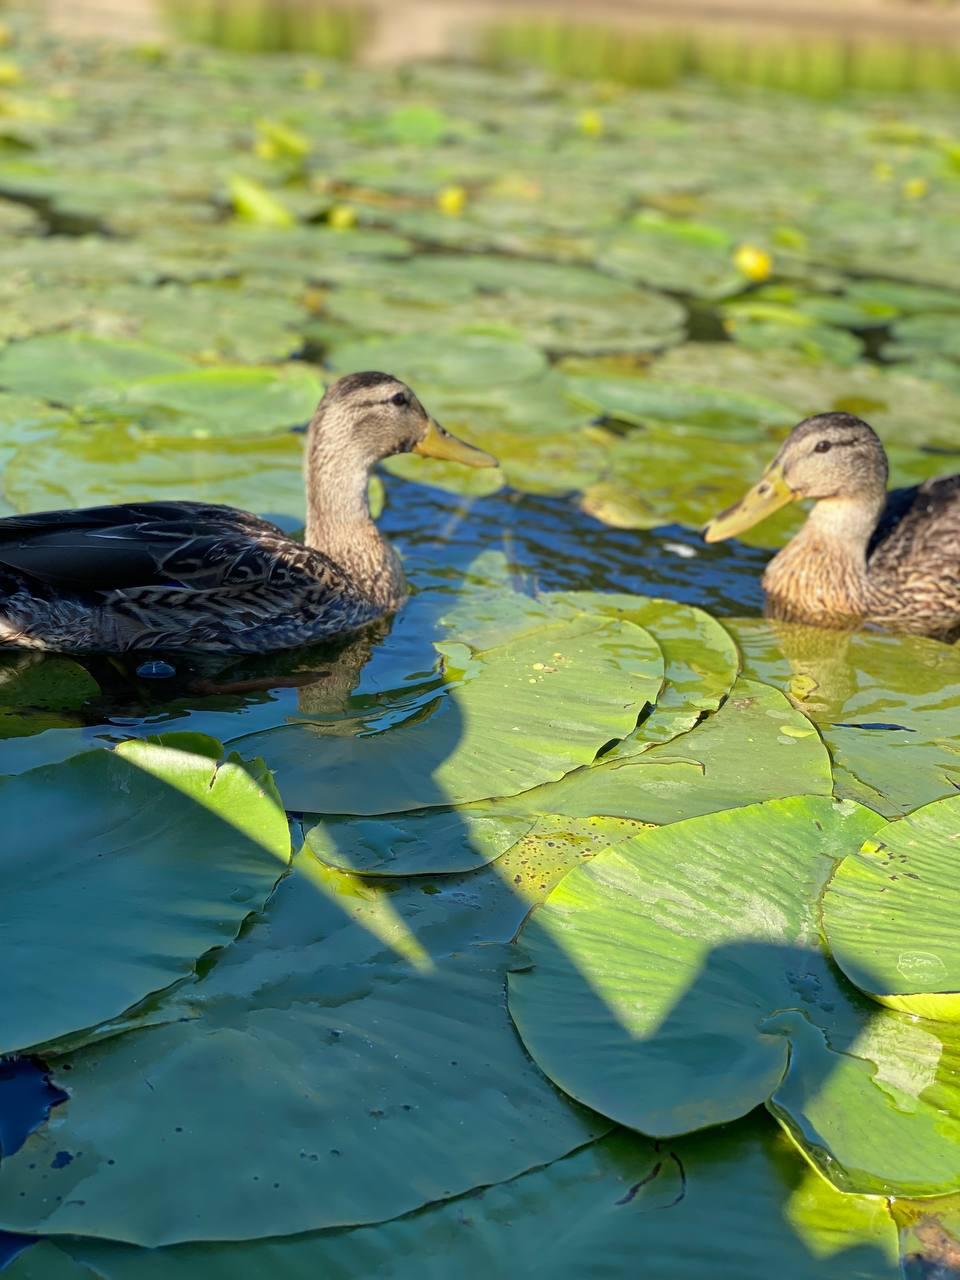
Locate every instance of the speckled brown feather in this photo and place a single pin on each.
(910, 580)
(192, 575)
(204, 577)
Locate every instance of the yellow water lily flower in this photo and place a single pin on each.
(753, 262)
(452, 201)
(342, 217)
(591, 123)
(915, 188)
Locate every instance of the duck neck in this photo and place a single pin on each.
(824, 568)
(339, 522)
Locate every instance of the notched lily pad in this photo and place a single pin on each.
(509, 717)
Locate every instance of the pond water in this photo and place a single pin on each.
(628, 297)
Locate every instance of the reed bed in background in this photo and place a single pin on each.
(822, 66)
(271, 26)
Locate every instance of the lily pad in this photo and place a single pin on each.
(65, 368)
(756, 747)
(348, 1107)
(730, 415)
(662, 253)
(113, 462)
(223, 401)
(678, 980)
(701, 662)
(736, 1202)
(903, 408)
(873, 697)
(417, 843)
(657, 477)
(888, 913)
(205, 322)
(456, 360)
(508, 718)
(146, 858)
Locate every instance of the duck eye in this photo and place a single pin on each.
(399, 399)
(822, 446)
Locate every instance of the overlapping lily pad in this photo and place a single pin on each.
(503, 720)
(755, 747)
(227, 401)
(146, 858)
(349, 1103)
(110, 462)
(735, 1202)
(678, 980)
(65, 368)
(458, 360)
(889, 911)
(701, 662)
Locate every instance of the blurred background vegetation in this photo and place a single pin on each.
(795, 45)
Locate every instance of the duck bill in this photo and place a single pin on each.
(438, 443)
(767, 496)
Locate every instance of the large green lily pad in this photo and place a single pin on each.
(644, 402)
(110, 462)
(348, 1082)
(701, 662)
(145, 858)
(672, 255)
(678, 980)
(736, 1203)
(224, 401)
(510, 717)
(890, 909)
(66, 367)
(756, 747)
(417, 843)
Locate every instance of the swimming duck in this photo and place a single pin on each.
(863, 555)
(193, 575)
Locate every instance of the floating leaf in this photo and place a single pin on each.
(68, 367)
(348, 1106)
(701, 662)
(755, 747)
(455, 360)
(121, 463)
(737, 1195)
(678, 980)
(888, 913)
(417, 843)
(146, 858)
(225, 401)
(509, 717)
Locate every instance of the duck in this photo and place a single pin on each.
(865, 555)
(206, 578)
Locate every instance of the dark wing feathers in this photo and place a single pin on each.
(911, 515)
(148, 544)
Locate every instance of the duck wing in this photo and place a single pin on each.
(919, 525)
(101, 550)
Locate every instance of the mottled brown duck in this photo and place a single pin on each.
(195, 576)
(864, 555)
